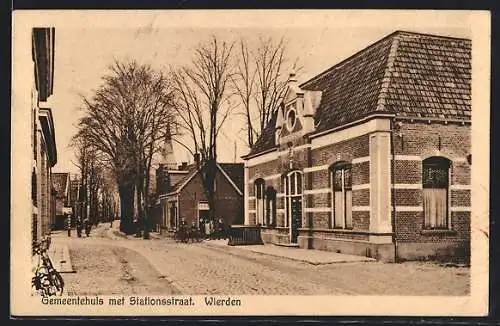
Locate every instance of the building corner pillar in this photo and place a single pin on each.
(380, 191)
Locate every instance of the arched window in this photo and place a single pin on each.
(341, 186)
(270, 206)
(259, 201)
(435, 184)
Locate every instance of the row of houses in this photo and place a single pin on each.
(43, 144)
(52, 196)
(371, 157)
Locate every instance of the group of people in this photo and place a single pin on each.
(82, 224)
(207, 229)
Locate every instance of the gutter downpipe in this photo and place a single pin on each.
(393, 201)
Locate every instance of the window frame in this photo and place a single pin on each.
(270, 206)
(298, 175)
(437, 162)
(340, 166)
(289, 108)
(260, 210)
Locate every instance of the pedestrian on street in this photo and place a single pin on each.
(87, 226)
(221, 229)
(79, 225)
(202, 227)
(207, 229)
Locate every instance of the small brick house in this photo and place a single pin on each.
(181, 195)
(372, 156)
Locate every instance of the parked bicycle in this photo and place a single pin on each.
(181, 235)
(186, 235)
(194, 234)
(47, 281)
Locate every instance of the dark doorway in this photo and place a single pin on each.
(202, 217)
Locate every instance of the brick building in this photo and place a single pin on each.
(372, 156)
(43, 143)
(181, 194)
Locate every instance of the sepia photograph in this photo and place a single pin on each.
(250, 162)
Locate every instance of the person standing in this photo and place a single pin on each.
(87, 226)
(211, 228)
(201, 225)
(79, 226)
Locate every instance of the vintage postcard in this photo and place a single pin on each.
(250, 162)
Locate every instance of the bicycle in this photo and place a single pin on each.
(47, 281)
(181, 235)
(194, 235)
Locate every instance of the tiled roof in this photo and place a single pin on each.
(405, 74)
(350, 90)
(233, 170)
(431, 78)
(192, 170)
(59, 181)
(235, 173)
(266, 140)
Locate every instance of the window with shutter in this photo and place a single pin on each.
(435, 184)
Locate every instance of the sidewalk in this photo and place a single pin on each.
(59, 256)
(310, 256)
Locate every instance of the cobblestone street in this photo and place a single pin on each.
(110, 263)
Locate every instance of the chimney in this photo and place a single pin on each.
(197, 158)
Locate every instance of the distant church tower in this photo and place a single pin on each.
(167, 165)
(168, 157)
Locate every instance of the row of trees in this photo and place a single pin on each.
(95, 192)
(136, 108)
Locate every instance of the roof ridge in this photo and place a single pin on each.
(386, 80)
(363, 50)
(349, 58)
(431, 35)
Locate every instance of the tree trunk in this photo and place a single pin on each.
(209, 180)
(126, 192)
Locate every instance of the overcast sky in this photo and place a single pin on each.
(83, 53)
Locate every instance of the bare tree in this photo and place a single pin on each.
(260, 82)
(203, 103)
(125, 122)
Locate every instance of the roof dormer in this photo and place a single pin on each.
(296, 114)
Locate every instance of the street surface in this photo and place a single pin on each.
(108, 263)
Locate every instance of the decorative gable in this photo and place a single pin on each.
(296, 115)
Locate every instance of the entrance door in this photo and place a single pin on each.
(202, 215)
(296, 217)
(173, 215)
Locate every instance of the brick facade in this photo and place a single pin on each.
(375, 118)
